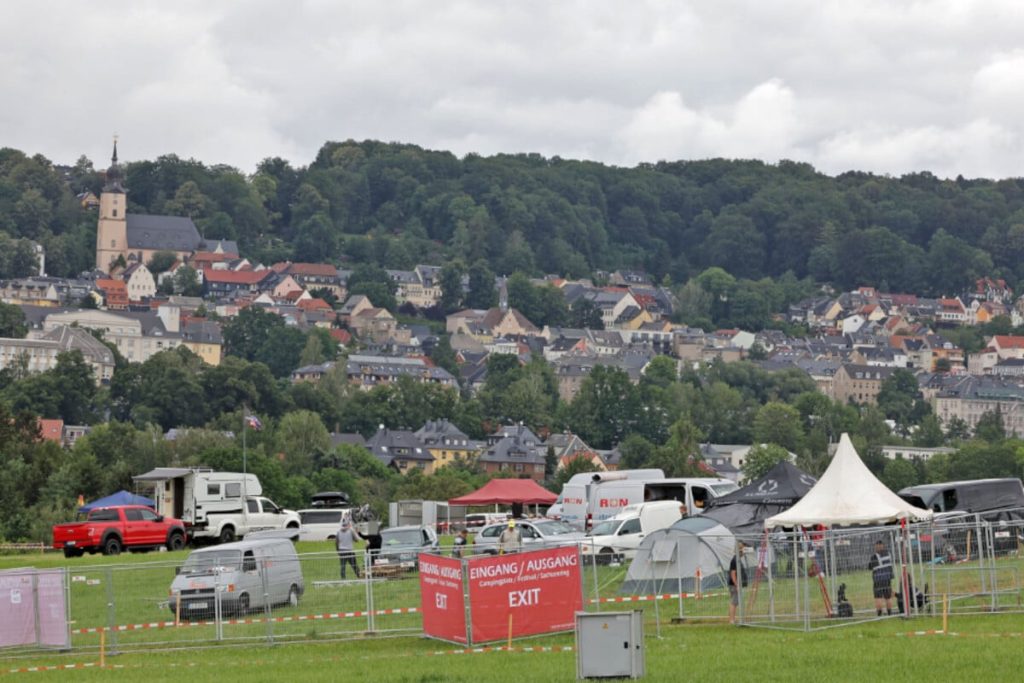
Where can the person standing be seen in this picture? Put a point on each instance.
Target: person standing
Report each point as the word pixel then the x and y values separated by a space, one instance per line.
pixel 344 542
pixel 461 543
pixel 737 578
pixel 880 565
pixel 510 540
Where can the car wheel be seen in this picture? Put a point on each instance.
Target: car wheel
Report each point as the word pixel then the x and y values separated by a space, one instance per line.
pixel 177 541
pixel 112 546
pixel 243 604
pixel 293 596
pixel 227 534
pixel 292 525
pixel 605 556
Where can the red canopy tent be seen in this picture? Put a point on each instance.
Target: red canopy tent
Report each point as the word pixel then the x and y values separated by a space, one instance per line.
pixel 508 491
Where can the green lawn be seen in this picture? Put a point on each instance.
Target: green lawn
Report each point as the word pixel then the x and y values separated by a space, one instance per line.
pixel 335 649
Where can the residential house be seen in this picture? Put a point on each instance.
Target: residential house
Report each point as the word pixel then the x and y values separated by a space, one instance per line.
pixel 39 353
pixel 859 383
pixel 400 449
pixel 311 373
pixel 368 371
pixel 137 336
pixel 446 442
pixel 970 397
pixel 568 447
pixel 139 282
pixel 494 322
pixel 375 325
pixel 313 276
pixel 219 283
pixel 115 293
pixel 951 312
pixel 514 449
pixel 203 338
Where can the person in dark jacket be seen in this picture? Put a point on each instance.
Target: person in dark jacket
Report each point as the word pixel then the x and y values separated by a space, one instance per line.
pixel 880 565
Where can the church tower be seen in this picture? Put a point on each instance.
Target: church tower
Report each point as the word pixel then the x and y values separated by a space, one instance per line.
pixel 112 231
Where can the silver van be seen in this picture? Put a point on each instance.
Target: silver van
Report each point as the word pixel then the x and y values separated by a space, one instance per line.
pixel 248 574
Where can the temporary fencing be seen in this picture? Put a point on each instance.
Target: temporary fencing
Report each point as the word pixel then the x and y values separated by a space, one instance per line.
pixel 794 580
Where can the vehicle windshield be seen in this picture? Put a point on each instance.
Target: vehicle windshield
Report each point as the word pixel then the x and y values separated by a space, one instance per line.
pixel 606 528
pixel 722 489
pixel 553 528
pixel 403 537
pixel 199 563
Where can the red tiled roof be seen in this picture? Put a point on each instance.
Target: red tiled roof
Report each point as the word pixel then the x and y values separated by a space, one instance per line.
pixel 112 285
pixel 212 256
pixel 340 336
pixel 314 304
pixel 51 430
pixel 1009 341
pixel 321 269
pixel 238 277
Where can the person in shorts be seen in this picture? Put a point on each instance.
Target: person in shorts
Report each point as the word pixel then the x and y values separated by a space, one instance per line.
pixel 737 578
pixel 880 565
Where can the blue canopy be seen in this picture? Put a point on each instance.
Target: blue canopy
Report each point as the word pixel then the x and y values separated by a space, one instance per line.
pixel 119 498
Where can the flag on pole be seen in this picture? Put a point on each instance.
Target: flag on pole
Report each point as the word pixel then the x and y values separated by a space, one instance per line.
pixel 253 422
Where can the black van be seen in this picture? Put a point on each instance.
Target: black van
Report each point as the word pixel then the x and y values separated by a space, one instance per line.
pixel 975 495
pixel 997 501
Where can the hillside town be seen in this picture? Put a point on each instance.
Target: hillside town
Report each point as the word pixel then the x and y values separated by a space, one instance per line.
pixel 850 342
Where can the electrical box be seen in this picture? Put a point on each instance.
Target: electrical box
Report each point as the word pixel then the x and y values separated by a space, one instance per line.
pixel 610 644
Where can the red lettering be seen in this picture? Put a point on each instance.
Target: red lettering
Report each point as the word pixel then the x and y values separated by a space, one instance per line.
pixel 613 502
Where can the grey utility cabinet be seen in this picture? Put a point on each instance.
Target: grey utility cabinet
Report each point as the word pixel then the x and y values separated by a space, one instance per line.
pixel 610 644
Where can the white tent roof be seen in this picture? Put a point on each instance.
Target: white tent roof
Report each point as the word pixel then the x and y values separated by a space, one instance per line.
pixel 847 494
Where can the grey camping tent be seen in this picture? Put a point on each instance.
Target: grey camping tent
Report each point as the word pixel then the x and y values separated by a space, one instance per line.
pixel 668 560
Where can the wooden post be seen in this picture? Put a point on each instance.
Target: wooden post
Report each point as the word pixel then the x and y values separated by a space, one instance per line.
pixel 945 614
pixel 103 648
pixel 177 610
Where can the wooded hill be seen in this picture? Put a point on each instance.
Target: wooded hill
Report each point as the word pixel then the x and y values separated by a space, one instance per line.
pixel 397 205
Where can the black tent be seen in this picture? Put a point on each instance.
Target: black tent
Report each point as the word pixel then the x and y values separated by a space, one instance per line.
pixel 744 510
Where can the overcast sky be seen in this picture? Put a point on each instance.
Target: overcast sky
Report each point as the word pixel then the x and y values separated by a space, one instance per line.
pixel 885 86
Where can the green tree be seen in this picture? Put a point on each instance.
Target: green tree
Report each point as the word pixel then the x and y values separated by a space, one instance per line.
pixel 482 294
pixel 929 433
pixel 779 423
pixel 451 286
pixel 762 458
pixel 161 261
pixel 990 426
pixel 636 452
pixel 899 474
pixel 572 468
pixel 12 321
pixel 301 436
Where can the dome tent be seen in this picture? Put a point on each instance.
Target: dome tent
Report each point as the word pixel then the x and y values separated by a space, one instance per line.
pixel 670 559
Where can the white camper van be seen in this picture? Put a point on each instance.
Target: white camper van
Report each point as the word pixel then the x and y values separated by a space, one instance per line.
pixel 608 498
pixel 618 538
pixel 573 502
pixel 216 505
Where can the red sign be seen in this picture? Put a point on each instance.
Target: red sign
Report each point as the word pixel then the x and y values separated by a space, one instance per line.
pixel 526 593
pixel 441 601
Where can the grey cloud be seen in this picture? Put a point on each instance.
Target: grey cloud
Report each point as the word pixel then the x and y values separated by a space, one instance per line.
pixel 880 86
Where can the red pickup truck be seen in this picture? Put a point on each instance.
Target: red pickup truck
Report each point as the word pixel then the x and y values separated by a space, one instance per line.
pixel 110 530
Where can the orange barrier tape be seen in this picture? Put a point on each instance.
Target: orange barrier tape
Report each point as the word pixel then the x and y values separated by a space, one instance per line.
pixel 501 648
pixel 651 598
pixel 235 622
pixel 55 667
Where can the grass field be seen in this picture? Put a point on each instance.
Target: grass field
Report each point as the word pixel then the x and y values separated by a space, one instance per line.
pixel 984 645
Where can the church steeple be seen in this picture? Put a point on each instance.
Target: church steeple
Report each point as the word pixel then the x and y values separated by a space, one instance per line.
pixel 114 176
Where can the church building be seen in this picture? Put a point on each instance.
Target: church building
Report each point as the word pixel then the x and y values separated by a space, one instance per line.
pixel 136 237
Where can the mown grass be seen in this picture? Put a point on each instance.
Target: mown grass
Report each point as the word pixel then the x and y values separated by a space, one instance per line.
pixel 338 649
pixel 871 652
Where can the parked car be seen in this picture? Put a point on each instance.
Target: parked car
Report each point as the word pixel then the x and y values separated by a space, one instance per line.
pixel 536 533
pixel 620 536
pixel 475 521
pixel 320 524
pixel 243 572
pixel 112 529
pixel 402 545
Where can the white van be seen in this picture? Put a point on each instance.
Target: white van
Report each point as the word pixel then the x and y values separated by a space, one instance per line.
pixel 572 503
pixel 609 498
pixel 320 524
pixel 618 538
pixel 247 574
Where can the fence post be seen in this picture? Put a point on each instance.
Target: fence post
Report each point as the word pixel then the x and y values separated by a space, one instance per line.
pixel 218 607
pixel 368 587
pixel 111 610
pixel 679 579
pixel 597 583
pixel 266 601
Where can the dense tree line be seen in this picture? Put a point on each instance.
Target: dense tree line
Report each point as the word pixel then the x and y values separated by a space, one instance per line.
pixel 394 205
pixel 661 421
